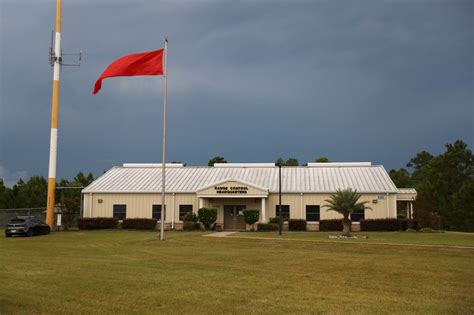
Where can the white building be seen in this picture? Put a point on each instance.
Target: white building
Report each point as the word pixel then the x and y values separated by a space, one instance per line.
pixel 134 191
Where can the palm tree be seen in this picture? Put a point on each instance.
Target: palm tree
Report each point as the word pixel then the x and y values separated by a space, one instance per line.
pixel 345 202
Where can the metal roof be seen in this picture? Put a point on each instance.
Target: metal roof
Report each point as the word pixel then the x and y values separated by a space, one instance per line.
pixel 407 191
pixel 365 179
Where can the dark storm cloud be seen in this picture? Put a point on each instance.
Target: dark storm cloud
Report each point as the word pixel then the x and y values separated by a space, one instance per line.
pixel 376 81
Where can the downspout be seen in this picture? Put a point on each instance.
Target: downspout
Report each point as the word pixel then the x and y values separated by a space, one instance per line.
pixel 174 211
pixel 388 206
pixel 301 206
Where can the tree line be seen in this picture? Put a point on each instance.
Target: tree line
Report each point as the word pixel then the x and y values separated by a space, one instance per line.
pixel 33 193
pixel 445 186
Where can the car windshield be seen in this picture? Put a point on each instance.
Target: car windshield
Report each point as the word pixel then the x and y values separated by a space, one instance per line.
pixel 17 221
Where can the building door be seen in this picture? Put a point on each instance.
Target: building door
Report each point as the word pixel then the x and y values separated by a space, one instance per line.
pixel 234 218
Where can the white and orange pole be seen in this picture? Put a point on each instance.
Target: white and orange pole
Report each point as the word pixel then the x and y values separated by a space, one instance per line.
pixel 54 121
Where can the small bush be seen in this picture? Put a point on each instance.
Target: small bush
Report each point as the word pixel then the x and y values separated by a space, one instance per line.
pixel 97 223
pixel 190 217
pixel 139 224
pixel 207 216
pixel 330 225
pixel 191 226
pixel 387 225
pixel 251 216
pixel 297 225
pixel 273 220
pixel 262 227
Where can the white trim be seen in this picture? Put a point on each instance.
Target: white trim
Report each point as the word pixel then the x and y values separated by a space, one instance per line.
pixel 228 165
pixel 340 164
pixel 232 180
pixel 232 196
pixel 152 165
pixel 53 152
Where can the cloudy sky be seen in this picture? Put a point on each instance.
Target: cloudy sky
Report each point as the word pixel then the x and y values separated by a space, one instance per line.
pixel 250 80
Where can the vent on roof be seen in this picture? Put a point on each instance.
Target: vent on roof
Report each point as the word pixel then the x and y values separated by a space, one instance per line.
pixel 224 165
pixel 155 165
pixel 340 164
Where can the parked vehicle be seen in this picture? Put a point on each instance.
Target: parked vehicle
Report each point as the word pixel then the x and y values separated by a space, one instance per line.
pixel 27 226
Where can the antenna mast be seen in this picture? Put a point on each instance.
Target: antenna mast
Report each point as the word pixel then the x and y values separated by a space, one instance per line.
pixel 55 59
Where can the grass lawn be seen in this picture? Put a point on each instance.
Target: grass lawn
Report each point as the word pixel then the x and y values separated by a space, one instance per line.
pixel 132 272
pixel 437 239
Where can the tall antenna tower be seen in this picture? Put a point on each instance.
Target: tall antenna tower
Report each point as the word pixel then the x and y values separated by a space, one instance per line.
pixel 56 60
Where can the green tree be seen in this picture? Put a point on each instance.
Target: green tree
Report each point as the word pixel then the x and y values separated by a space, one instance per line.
pixel 31 194
pixel 280 162
pixel 400 178
pixel 71 193
pixel 216 159
pixel 3 195
pixel 207 216
pixel 345 202
pixel 441 182
pixel 321 159
pixel 289 162
pixel 292 162
pixel 251 216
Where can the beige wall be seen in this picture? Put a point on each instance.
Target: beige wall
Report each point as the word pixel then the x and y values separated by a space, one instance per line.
pixel 140 205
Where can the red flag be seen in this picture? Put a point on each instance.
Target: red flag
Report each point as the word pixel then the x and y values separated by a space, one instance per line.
pixel 145 63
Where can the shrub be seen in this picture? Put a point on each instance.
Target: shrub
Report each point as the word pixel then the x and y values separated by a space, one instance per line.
pixel 190 217
pixel 387 225
pixel 251 216
pixel 330 225
pixel 207 216
pixel 273 220
pixel 297 225
pixel 191 226
pixel 139 224
pixel 97 223
pixel 262 227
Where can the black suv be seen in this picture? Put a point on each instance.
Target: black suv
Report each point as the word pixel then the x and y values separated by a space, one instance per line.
pixel 27 226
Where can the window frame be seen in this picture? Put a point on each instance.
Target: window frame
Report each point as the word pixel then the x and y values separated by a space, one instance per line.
pixel 119 216
pixel 159 212
pixel 285 219
pixel 359 215
pixel 318 213
pixel 180 216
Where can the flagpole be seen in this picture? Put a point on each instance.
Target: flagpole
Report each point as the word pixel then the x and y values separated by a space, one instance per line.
pixel 53 145
pixel 163 171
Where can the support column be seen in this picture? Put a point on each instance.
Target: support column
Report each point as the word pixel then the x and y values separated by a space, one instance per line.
pixel 201 203
pixel 411 209
pixel 263 217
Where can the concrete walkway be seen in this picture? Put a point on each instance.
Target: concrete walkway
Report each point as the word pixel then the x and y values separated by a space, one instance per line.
pixel 219 234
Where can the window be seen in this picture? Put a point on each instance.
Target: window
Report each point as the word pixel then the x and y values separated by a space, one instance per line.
pixel 285 212
pixel 156 212
pixel 358 215
pixel 184 210
pixel 312 212
pixel 120 211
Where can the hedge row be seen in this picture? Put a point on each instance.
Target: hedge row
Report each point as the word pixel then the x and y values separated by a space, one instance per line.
pixel 191 226
pixel 139 224
pixel 97 223
pixel 388 225
pixel 330 225
pixel 297 225
pixel 263 227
